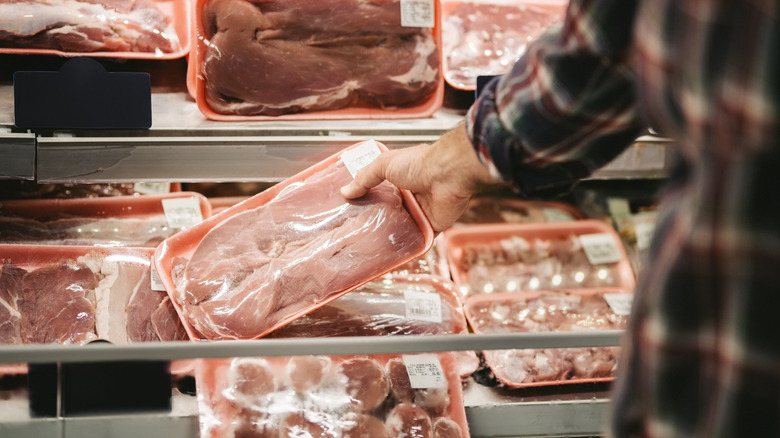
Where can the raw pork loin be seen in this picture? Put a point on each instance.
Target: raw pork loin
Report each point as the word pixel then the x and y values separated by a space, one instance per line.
pixel 11 290
pixel 306 245
pixel 86 26
pixel 267 57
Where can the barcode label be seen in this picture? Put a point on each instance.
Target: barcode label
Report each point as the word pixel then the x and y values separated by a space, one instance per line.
pixel 182 213
pixel 600 248
pixel 152 188
pixel 417 13
pixel 360 156
pixel 556 215
pixel 423 306
pixel 424 371
pixel 157 283
pixel 620 303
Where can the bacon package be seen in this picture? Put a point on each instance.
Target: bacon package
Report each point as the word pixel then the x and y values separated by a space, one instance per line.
pixel 282 253
pixel 331 59
pixel 154 29
pixel 498 258
pixel 486 37
pixel 385 396
pixel 137 221
pixel 551 311
pixel 73 295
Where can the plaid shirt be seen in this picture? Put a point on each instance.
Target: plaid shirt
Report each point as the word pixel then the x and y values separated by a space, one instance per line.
pixel 702 353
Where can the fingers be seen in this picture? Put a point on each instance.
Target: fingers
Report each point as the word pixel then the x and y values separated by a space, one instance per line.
pixel 370 176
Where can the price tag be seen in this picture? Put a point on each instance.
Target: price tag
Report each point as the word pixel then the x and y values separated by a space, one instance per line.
pixel 182 213
pixel 644 227
pixel 150 188
pixel 417 13
pixel 423 306
pixel 424 371
pixel 619 208
pixel 600 248
pixel 620 303
pixel 360 156
pixel 157 283
pixel 556 215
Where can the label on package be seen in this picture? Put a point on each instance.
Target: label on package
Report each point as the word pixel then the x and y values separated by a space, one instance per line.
pixel 157 283
pixel 417 13
pixel 619 303
pixel 182 213
pixel 423 306
pixel 360 156
pixel 600 248
pixel 424 371
pixel 644 228
pixel 152 188
pixel 556 215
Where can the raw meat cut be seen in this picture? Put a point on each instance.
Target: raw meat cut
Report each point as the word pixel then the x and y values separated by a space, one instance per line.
pixel 307 372
pixel 304 246
pixel 11 290
pixel 150 314
pixel 365 382
pixel 409 421
pixel 267 57
pixel 364 426
pixel 484 38
pixel 58 304
pixel 86 26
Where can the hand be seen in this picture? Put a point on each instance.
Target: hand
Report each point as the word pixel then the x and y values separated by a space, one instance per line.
pixel 443 176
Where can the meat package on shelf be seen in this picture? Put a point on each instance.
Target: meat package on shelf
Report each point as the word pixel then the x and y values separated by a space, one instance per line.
pixel 498 258
pixel 433 262
pixel 128 221
pixel 148 29
pixel 390 306
pixel 326 59
pixel 381 396
pixel 551 311
pixel 501 209
pixel 264 262
pixel 486 37
pixel 76 294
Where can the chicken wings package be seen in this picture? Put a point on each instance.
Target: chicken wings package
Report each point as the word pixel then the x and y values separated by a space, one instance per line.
pixel 308 60
pixel 506 258
pixel 383 396
pixel 389 306
pixel 288 250
pixel 139 29
pixel 137 221
pixel 551 311
pixel 486 37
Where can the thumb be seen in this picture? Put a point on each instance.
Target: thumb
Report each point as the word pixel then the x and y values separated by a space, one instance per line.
pixel 369 176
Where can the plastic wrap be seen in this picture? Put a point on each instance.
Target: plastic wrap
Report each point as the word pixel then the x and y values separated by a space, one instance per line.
pixel 337 397
pixel 156 29
pixel 486 37
pixel 499 258
pixel 280 254
pixel 138 221
pixel 486 210
pixel 329 59
pixel 433 262
pixel 546 311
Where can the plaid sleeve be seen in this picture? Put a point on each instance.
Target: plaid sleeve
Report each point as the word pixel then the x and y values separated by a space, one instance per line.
pixel 567 107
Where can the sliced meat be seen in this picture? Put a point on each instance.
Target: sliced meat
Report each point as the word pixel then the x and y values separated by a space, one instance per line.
pixel 11 292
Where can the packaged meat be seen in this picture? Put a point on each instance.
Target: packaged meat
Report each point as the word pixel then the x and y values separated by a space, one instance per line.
pixel 498 209
pixel 486 37
pixel 148 29
pixel 498 258
pixel 551 311
pixel 391 305
pixel 331 396
pixel 329 59
pixel 137 221
pixel 433 262
pixel 76 294
pixel 280 254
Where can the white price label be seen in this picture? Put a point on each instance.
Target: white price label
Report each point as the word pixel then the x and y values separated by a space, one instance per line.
pixel 620 303
pixel 150 188
pixel 423 306
pixel 424 371
pixel 360 156
pixel 556 215
pixel 182 213
pixel 417 13
pixel 644 228
pixel 600 248
pixel 157 283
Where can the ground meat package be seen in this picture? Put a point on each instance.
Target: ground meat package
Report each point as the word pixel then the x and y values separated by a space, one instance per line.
pixel 325 59
pixel 144 29
pixel 501 258
pixel 387 396
pixel 266 261
pixel 137 221
pixel 551 311
pixel 486 37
